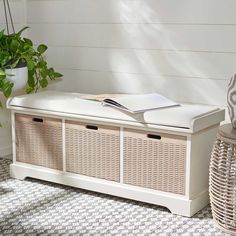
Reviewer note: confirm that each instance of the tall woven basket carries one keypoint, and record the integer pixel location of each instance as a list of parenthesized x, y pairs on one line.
[(223, 179)]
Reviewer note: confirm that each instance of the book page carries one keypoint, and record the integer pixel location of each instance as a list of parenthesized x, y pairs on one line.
[(101, 97), (142, 102)]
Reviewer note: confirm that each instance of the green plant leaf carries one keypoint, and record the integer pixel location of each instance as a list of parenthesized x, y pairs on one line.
[(30, 64), (42, 64), (1, 84), (2, 73), (43, 83), (43, 72), (14, 64), (31, 80), (2, 77), (51, 72), (7, 89), (28, 41), (42, 48), (20, 32), (1, 34), (29, 90), (57, 75), (14, 45)]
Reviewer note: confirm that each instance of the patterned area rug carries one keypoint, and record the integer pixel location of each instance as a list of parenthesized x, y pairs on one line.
[(33, 207)]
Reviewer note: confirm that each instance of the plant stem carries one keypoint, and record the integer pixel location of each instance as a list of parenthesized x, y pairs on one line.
[(37, 81)]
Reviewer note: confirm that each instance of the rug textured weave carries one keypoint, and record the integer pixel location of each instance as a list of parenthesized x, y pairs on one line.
[(33, 207)]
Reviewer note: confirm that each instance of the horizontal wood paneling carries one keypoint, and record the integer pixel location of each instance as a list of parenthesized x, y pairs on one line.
[(180, 89), (18, 10), (133, 11), (182, 49), (213, 38), (185, 64)]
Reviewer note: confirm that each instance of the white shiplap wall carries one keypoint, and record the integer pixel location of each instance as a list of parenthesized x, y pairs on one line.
[(18, 9), (183, 49)]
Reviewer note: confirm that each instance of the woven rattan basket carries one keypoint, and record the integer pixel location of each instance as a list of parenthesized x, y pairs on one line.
[(155, 160), (93, 150), (39, 141), (223, 179)]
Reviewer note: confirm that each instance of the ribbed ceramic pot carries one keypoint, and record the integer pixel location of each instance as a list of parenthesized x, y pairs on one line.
[(231, 100)]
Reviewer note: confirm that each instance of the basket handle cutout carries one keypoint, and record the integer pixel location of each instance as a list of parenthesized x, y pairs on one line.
[(154, 136), (40, 120), (91, 127)]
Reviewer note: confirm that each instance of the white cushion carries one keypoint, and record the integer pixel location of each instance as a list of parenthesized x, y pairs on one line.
[(64, 102)]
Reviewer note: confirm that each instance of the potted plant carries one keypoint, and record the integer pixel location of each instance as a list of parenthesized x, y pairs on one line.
[(23, 65)]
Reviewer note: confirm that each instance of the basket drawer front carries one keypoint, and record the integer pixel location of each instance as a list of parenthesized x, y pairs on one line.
[(93, 150), (154, 160), (39, 141)]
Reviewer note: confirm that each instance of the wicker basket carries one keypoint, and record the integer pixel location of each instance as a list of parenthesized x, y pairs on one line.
[(39, 141), (93, 150), (154, 160), (223, 179)]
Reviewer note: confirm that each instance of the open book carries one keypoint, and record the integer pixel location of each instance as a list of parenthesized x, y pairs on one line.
[(133, 103)]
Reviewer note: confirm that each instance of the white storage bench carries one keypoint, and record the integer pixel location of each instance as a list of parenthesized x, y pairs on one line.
[(160, 156)]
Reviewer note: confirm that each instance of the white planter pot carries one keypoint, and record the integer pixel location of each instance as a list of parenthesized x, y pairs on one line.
[(19, 77)]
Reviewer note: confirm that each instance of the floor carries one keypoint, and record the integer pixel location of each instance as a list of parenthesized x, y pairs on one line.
[(33, 207)]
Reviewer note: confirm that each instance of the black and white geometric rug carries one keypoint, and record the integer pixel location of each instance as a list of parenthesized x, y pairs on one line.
[(33, 207)]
